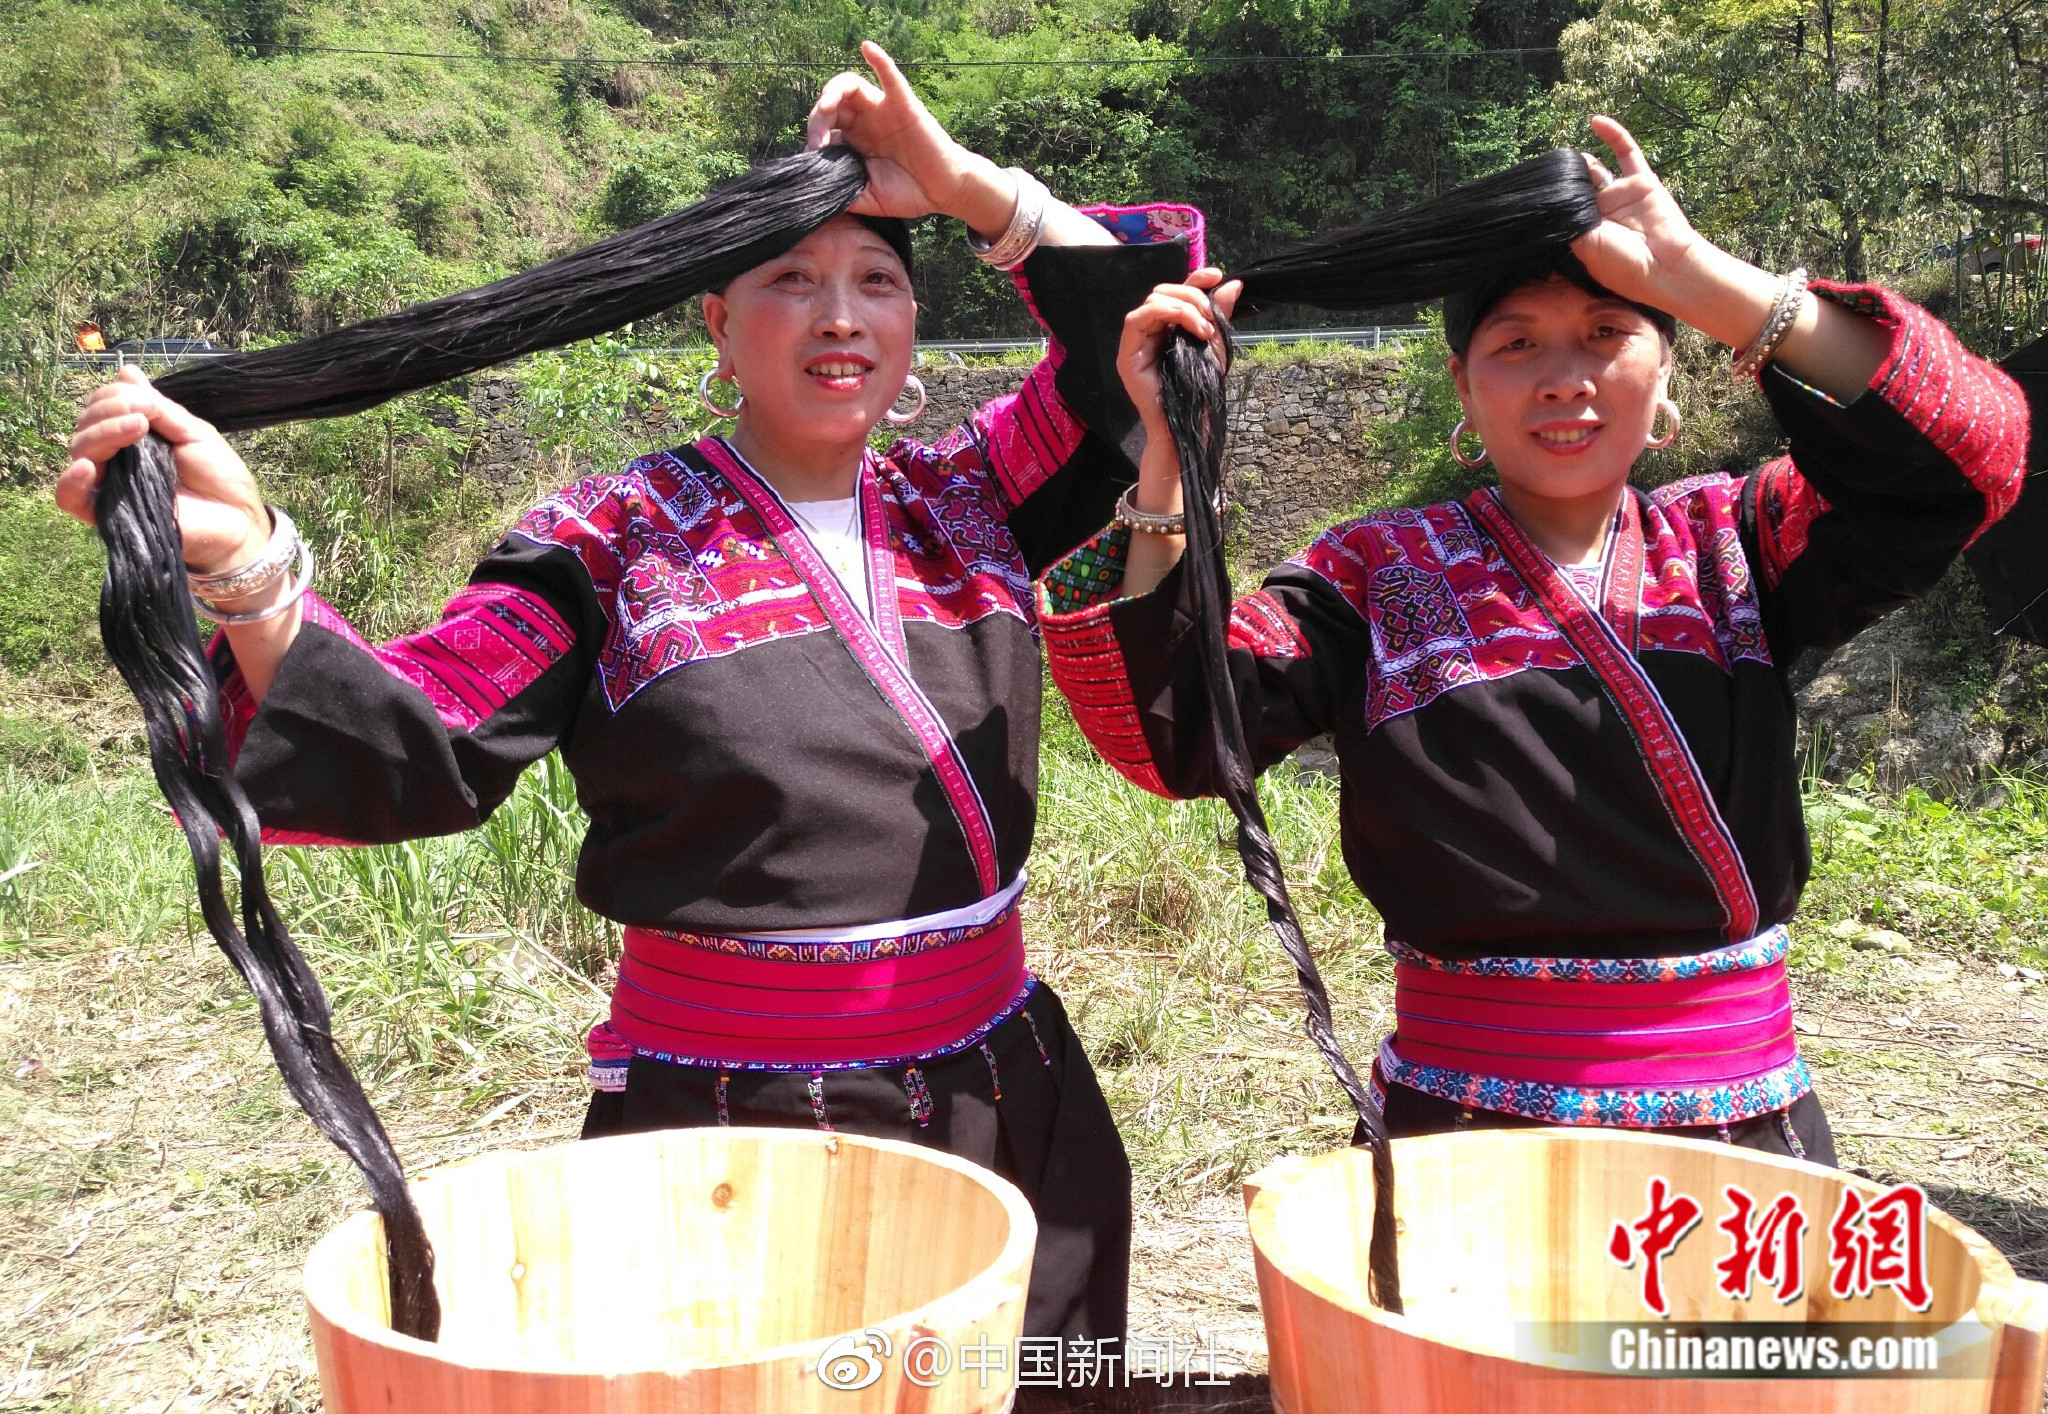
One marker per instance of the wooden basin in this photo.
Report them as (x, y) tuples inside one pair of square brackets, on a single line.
[(1504, 1232), (691, 1270)]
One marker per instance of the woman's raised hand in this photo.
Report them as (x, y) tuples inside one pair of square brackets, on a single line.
[(1186, 307), (914, 167), (1644, 248), (220, 511)]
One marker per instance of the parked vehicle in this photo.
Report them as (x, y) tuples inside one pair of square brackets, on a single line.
[(1984, 253)]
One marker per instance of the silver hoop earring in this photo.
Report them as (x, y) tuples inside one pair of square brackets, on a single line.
[(1670, 410), (704, 397), (1458, 451), (914, 384)]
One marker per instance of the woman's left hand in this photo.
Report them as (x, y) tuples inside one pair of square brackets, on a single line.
[(1644, 249), (1185, 307), (914, 166)]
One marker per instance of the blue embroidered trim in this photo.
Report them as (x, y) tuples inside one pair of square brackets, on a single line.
[(1611, 1106)]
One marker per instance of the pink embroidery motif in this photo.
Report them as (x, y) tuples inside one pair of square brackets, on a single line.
[(1087, 665), (1663, 748), (1971, 411), (1259, 623), (1023, 438), (686, 570), (1787, 507), (1445, 608), (879, 648), (492, 642)]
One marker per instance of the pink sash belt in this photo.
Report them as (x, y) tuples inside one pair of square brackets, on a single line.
[(1630, 1041), (779, 1004)]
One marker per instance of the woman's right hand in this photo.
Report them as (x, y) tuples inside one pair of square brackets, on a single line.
[(220, 512)]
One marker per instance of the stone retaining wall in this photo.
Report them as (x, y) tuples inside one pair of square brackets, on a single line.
[(1298, 456)]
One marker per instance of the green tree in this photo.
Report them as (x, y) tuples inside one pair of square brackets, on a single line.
[(1855, 135)]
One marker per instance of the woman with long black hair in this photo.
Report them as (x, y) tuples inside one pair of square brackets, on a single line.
[(1560, 705), (797, 681)]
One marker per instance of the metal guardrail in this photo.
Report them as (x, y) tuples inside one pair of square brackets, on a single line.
[(1375, 336)]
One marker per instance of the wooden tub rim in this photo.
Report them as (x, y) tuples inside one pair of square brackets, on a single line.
[(2003, 1297), (985, 1290)]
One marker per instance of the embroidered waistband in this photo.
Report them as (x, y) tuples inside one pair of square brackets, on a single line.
[(1638, 1042), (782, 1004)]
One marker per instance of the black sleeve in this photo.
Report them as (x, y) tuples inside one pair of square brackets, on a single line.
[(1082, 294), (1132, 672), (425, 735), (1878, 496)]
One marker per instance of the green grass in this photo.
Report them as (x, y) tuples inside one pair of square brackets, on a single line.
[(1968, 882), (464, 964)]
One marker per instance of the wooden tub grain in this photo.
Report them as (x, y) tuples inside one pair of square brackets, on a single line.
[(697, 1271), (1502, 1229)]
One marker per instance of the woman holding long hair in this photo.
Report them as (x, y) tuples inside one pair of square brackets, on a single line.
[(1560, 705), (797, 683)]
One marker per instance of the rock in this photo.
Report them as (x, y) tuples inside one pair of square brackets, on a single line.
[(1317, 757), (1878, 702), (1882, 940), (2008, 970)]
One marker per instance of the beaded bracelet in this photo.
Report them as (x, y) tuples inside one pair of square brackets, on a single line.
[(1027, 224), (1791, 298), (1146, 523)]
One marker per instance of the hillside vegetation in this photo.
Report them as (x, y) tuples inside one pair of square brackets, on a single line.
[(254, 170)]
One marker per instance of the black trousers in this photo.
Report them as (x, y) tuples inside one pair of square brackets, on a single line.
[(1037, 1118), (1412, 1112)]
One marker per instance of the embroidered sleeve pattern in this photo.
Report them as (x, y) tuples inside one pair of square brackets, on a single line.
[(1091, 575), (1087, 665), (1786, 508), (1261, 625), (492, 642), (1969, 410), (1023, 438)]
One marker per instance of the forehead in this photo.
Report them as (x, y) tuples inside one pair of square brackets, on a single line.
[(843, 238), (1559, 298)]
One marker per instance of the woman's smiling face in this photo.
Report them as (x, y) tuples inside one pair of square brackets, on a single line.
[(1562, 386), (821, 338)]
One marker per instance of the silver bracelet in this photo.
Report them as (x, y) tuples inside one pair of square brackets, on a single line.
[(1145, 523), (293, 595), (1791, 298), (1027, 225), (271, 561)]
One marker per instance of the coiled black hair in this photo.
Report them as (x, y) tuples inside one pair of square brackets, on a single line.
[(147, 623), (1475, 243)]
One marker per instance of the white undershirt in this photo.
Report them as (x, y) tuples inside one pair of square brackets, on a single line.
[(972, 915), (834, 528)]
